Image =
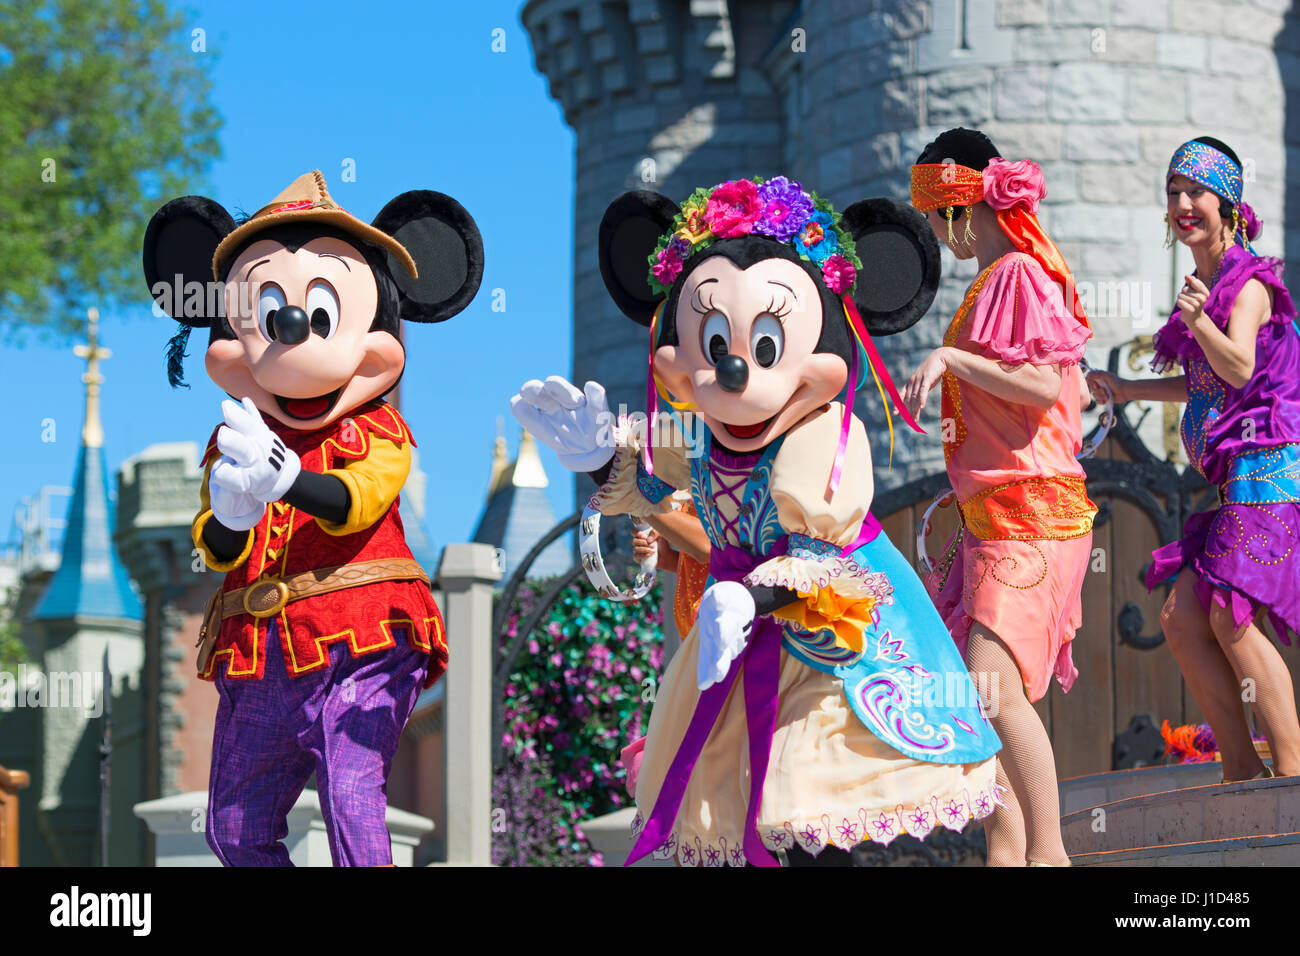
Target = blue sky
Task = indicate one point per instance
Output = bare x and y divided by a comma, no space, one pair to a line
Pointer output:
415,95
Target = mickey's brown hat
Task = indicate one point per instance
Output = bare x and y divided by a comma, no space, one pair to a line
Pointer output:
307,199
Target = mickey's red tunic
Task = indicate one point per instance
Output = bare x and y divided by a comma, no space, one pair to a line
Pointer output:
370,452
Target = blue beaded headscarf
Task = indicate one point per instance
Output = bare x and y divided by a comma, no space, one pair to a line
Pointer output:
1216,170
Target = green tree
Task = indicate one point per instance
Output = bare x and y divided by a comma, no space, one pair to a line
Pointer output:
103,111
12,650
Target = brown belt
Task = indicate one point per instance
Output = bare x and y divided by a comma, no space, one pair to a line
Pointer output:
268,597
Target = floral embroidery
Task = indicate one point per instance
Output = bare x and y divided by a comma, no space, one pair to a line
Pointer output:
875,824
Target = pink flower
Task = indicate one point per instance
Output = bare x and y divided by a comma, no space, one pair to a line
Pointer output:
733,209
668,265
1008,184
838,273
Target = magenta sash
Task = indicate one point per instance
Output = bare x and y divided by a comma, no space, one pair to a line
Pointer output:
761,660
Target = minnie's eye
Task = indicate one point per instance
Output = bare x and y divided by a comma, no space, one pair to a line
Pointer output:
323,308
715,337
269,301
767,340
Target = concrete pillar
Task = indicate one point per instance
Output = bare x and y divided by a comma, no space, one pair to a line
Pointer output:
467,577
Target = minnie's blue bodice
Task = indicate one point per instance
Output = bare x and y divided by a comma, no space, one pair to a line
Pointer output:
908,685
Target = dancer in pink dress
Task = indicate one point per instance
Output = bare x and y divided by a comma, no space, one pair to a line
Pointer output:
1009,583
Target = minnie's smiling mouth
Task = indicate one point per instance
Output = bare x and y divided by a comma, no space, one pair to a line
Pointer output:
305,409
747,431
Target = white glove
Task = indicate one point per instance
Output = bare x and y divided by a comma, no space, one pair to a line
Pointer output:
725,619
254,460
235,510
576,425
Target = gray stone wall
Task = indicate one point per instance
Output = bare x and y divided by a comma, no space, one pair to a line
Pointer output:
843,94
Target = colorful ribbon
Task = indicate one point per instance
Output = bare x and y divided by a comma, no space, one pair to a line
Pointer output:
655,388
881,375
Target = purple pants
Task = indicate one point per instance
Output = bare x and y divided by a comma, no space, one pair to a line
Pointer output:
343,722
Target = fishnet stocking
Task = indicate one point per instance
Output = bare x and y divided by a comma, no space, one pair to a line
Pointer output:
1026,757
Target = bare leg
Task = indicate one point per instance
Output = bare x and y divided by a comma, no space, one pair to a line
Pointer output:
1004,831
1254,658
1210,677
1026,752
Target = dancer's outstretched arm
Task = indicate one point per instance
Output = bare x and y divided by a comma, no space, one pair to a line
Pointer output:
1171,389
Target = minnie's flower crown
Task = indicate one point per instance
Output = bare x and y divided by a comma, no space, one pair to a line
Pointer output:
773,207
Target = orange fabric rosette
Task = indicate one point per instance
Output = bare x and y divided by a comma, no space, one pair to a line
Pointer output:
824,610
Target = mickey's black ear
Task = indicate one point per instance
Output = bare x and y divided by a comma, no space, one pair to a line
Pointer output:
179,242
444,241
629,232
900,263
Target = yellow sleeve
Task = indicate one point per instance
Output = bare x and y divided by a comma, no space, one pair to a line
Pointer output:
200,522
373,484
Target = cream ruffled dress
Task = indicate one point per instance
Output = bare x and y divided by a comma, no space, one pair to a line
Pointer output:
865,747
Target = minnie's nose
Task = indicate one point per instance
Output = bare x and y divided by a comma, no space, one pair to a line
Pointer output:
733,373
291,325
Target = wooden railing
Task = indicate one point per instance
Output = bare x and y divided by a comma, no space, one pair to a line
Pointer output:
11,781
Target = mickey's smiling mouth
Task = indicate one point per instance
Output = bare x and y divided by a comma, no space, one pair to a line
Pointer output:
305,409
746,431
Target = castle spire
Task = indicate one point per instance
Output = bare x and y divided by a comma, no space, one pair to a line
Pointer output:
92,429
90,581
500,457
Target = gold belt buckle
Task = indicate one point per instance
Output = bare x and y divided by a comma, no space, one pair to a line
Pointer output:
266,598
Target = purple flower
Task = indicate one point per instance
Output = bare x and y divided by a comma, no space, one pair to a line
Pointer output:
786,207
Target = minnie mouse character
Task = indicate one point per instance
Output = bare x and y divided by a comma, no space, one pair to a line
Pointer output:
325,624
857,719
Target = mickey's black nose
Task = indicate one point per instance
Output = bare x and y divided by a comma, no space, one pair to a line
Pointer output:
291,325
733,373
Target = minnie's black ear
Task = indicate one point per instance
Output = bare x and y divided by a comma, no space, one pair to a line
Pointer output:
629,232
900,263
444,241
179,242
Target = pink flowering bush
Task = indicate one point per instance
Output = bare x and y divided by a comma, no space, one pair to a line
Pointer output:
573,701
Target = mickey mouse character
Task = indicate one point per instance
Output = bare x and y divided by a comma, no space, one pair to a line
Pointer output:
324,630
857,719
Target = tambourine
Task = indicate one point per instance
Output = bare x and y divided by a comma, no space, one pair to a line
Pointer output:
1106,421
594,565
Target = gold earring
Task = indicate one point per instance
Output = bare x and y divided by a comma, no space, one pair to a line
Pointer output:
947,214
968,235
1169,234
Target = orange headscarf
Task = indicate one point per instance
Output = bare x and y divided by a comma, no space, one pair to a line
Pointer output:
944,185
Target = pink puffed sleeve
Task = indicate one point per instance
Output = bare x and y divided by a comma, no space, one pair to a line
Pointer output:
1020,317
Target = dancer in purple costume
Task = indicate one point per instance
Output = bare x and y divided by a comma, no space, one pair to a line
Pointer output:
1235,334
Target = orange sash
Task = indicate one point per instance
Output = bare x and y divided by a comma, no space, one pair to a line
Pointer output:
1030,509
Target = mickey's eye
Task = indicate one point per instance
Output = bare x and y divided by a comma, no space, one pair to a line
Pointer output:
767,340
715,337
270,300
323,308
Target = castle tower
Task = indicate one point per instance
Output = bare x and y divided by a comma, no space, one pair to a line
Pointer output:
843,94
87,609
517,512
